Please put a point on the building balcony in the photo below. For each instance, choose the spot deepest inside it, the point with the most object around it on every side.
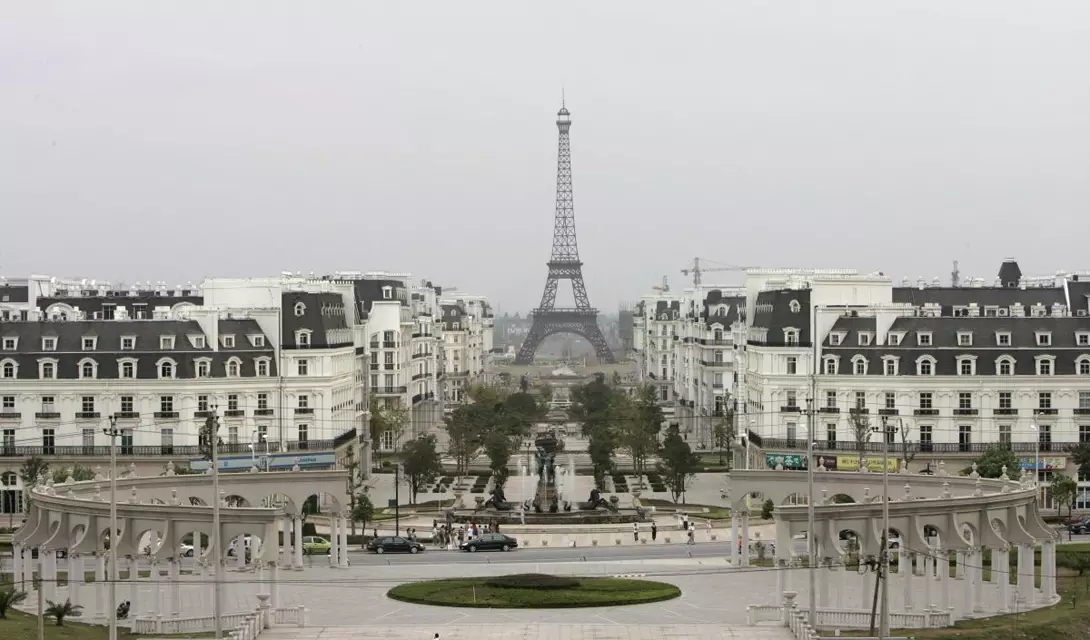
(48, 415)
(1082, 411)
(234, 413)
(716, 343)
(389, 345)
(715, 363)
(373, 345)
(304, 411)
(888, 412)
(88, 415)
(895, 449)
(166, 415)
(966, 412)
(10, 415)
(418, 398)
(389, 366)
(1045, 412)
(127, 415)
(422, 354)
(829, 410)
(925, 412)
(1005, 412)
(859, 411)
(388, 391)
(419, 376)
(201, 414)
(263, 412)
(791, 409)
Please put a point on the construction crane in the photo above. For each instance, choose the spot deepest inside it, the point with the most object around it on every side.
(696, 269)
(664, 288)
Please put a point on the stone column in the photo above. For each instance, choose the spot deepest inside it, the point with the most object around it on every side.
(781, 577)
(928, 579)
(100, 586)
(942, 565)
(978, 581)
(823, 585)
(17, 566)
(1048, 570)
(297, 527)
(343, 546)
(907, 573)
(274, 585)
(153, 578)
(1001, 560)
(840, 573)
(735, 557)
(745, 538)
(175, 589)
(334, 541)
(240, 553)
(48, 573)
(867, 590)
(959, 565)
(28, 569)
(75, 576)
(1025, 573)
(967, 558)
(197, 546)
(134, 584)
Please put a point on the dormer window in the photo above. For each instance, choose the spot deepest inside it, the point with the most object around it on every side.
(865, 338)
(89, 343)
(128, 343)
(234, 368)
(127, 368)
(257, 340)
(1004, 366)
(1046, 365)
(923, 338)
(859, 365)
(198, 342)
(10, 344)
(795, 306)
(791, 337)
(967, 366)
(167, 368)
(387, 293)
(9, 369)
(300, 309)
(229, 341)
(454, 326)
(88, 369)
(890, 365)
(1082, 366)
(835, 339)
(925, 366)
(965, 338)
(1044, 338)
(1082, 338)
(830, 365)
(47, 369)
(302, 337)
(894, 339)
(49, 344)
(1003, 338)
(166, 342)
(204, 367)
(261, 365)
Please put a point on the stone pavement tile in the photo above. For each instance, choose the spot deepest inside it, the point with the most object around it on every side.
(532, 631)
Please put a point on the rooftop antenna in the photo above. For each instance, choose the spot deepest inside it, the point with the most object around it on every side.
(955, 276)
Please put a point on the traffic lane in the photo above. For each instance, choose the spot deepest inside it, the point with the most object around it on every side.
(535, 555)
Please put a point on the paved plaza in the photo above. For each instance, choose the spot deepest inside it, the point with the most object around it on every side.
(534, 631)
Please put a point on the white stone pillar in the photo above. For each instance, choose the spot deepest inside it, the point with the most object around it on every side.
(1052, 570)
(48, 573)
(745, 538)
(297, 528)
(1003, 576)
(175, 589)
(274, 585)
(942, 565)
(823, 584)
(134, 584)
(959, 565)
(240, 553)
(735, 557)
(343, 546)
(28, 569)
(840, 573)
(196, 546)
(967, 558)
(978, 581)
(907, 575)
(928, 579)
(867, 590)
(1025, 573)
(781, 577)
(334, 541)
(153, 578)
(17, 566)
(100, 586)
(75, 576)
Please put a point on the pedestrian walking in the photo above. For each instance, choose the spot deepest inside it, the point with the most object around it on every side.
(654, 531)
(635, 532)
(692, 533)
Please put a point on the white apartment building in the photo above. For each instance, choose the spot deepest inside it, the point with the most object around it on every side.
(467, 324)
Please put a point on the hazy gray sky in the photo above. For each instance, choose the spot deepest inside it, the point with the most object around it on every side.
(174, 140)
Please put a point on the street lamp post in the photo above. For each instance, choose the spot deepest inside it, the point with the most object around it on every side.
(1036, 459)
(812, 543)
(112, 575)
(883, 564)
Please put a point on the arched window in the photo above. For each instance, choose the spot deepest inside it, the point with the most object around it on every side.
(9, 369)
(1046, 365)
(262, 366)
(9, 479)
(889, 365)
(1082, 366)
(48, 370)
(128, 369)
(925, 366)
(1004, 366)
(966, 366)
(300, 308)
(166, 369)
(87, 370)
(233, 368)
(795, 306)
(859, 365)
(829, 365)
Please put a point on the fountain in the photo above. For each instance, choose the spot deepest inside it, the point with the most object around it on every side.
(551, 501)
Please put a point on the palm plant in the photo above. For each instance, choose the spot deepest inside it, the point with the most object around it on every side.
(60, 611)
(8, 599)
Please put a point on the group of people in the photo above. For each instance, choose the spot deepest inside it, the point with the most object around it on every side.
(445, 535)
(687, 526)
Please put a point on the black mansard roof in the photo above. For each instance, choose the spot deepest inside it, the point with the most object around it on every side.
(736, 306)
(945, 348)
(369, 291)
(14, 293)
(782, 309)
(147, 349)
(670, 308)
(143, 300)
(453, 313)
(1003, 297)
(322, 313)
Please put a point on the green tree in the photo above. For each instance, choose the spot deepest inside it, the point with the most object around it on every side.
(33, 468)
(861, 431)
(485, 394)
(723, 433)
(362, 510)
(1064, 491)
(908, 450)
(421, 463)
(767, 508)
(61, 610)
(9, 597)
(991, 462)
(639, 420)
(594, 407)
(1080, 455)
(677, 463)
(78, 472)
(1078, 562)
(497, 446)
(464, 431)
(546, 393)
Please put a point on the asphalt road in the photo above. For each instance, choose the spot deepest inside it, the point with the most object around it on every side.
(537, 555)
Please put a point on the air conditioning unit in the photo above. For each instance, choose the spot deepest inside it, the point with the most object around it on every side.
(1082, 313)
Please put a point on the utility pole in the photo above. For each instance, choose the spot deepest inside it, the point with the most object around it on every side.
(211, 434)
(111, 574)
(397, 500)
(810, 534)
(883, 562)
(41, 599)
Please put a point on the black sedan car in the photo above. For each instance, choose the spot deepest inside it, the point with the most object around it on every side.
(490, 541)
(394, 544)
(1079, 526)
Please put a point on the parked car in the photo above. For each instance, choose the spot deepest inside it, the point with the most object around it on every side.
(316, 546)
(1080, 526)
(234, 543)
(490, 541)
(186, 550)
(394, 544)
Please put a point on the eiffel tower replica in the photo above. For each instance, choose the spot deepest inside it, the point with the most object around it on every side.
(564, 264)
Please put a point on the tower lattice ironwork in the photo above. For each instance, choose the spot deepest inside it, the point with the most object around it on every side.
(564, 264)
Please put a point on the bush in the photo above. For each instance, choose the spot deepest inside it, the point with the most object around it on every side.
(532, 581)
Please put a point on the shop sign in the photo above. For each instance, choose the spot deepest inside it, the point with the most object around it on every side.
(1043, 463)
(851, 463)
(276, 461)
(786, 460)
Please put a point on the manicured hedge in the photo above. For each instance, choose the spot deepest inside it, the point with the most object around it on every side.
(532, 581)
(588, 592)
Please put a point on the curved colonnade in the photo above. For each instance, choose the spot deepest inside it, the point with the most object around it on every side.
(154, 515)
(930, 518)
